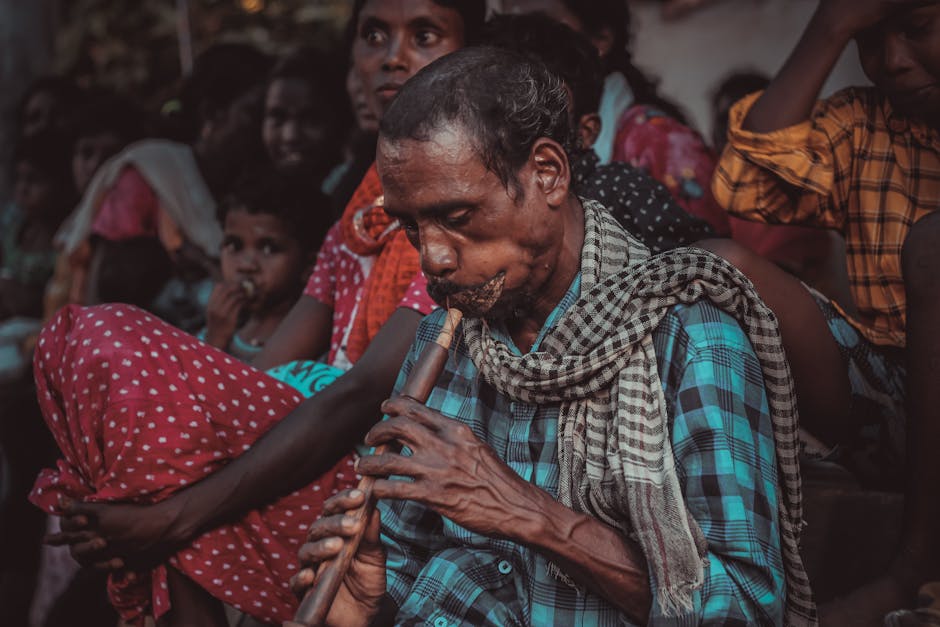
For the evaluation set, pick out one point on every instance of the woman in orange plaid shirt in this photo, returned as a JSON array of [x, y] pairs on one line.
[[865, 162]]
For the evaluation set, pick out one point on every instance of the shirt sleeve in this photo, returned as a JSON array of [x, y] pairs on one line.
[[416, 297], [322, 282], [725, 456], [676, 156], [795, 175]]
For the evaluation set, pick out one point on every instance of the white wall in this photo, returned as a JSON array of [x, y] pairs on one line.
[[693, 54]]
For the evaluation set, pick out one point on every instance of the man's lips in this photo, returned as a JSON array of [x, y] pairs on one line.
[[474, 301]]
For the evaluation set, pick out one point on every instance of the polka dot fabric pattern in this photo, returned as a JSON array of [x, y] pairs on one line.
[[339, 281], [140, 410]]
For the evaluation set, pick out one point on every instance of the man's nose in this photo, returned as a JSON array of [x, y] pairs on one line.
[[438, 259]]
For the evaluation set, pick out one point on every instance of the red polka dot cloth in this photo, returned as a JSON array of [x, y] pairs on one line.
[[139, 410], [338, 280]]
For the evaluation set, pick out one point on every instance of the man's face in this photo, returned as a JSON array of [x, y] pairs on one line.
[[396, 38], [901, 55], [481, 251]]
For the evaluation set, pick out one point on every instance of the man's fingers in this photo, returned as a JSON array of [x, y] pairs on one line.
[[74, 523], [404, 429], [342, 525], [399, 490], [88, 552], [111, 565], [343, 501], [302, 580], [313, 553], [68, 537], [389, 464], [419, 412]]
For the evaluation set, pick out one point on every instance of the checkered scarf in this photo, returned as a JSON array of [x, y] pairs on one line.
[[598, 363]]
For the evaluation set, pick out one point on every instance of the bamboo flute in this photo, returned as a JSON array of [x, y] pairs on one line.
[[427, 369]]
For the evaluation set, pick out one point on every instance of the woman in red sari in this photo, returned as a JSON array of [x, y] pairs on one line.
[[150, 417]]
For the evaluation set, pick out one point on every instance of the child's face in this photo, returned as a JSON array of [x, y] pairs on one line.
[[33, 191], [901, 56], [90, 152], [293, 129], [260, 249]]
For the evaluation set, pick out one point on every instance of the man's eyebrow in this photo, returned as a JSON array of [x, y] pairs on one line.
[[437, 209]]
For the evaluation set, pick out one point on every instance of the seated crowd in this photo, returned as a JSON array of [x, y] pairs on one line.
[[215, 311]]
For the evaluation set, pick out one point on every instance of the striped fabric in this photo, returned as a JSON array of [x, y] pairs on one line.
[[615, 458], [856, 167]]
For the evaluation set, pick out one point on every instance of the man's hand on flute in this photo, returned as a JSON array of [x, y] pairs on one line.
[[454, 473], [363, 587]]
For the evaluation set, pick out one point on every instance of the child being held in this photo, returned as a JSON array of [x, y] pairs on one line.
[[273, 225]]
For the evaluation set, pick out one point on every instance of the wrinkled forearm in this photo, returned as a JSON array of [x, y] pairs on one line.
[[591, 553]]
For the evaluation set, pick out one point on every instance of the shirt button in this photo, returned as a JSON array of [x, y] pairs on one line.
[[504, 567], [440, 621]]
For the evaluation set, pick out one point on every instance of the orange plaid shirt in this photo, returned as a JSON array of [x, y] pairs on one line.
[[854, 167]]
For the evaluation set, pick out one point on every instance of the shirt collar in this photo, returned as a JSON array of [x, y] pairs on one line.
[[920, 131], [569, 299]]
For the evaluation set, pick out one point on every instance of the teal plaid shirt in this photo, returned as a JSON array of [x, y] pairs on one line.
[[441, 574]]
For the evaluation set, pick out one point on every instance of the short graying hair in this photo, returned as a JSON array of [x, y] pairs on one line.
[[503, 100]]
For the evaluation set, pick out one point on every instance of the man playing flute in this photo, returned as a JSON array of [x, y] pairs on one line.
[[613, 440]]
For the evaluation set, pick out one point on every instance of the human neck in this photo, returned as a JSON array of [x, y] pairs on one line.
[[525, 330], [262, 324]]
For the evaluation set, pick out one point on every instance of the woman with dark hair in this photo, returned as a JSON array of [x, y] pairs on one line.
[[638, 125]]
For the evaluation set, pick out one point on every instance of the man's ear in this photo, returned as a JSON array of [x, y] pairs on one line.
[[589, 127], [552, 172], [603, 40]]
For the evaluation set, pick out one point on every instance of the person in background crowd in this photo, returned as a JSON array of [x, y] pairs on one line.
[[638, 125], [641, 205], [48, 104], [166, 190], [43, 194], [306, 114], [272, 225], [815, 256], [732, 88], [362, 305], [866, 162], [103, 126]]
